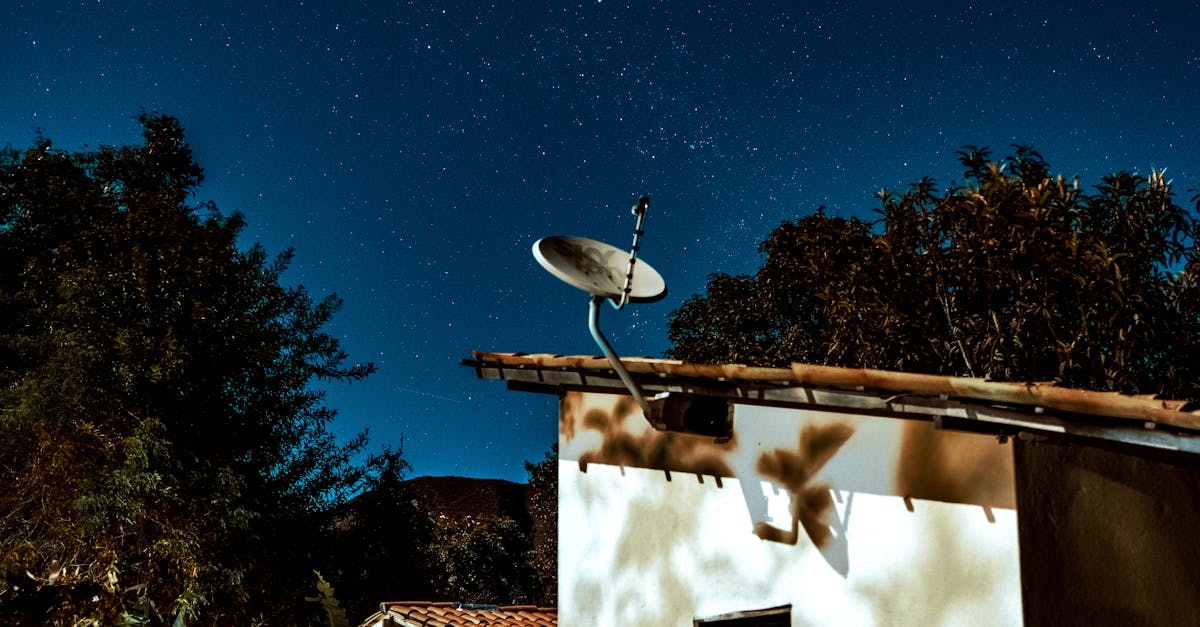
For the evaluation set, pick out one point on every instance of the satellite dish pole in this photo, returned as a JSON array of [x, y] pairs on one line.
[[639, 210]]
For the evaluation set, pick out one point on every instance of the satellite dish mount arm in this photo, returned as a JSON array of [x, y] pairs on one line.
[[613, 360], [639, 210]]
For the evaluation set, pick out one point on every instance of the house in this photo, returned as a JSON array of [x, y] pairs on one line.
[[424, 614], [820, 495]]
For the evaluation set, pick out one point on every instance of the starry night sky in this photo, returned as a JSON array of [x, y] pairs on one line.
[[412, 152]]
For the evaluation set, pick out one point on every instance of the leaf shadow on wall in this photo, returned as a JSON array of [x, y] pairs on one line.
[[620, 446], [811, 504]]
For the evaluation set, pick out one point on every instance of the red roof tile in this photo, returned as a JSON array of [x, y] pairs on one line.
[[426, 614]]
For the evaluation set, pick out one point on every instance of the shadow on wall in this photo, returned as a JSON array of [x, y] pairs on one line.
[[930, 464], [946, 579], [810, 504], [609, 429], [661, 560], [647, 552], [954, 467], [667, 562], [625, 442]]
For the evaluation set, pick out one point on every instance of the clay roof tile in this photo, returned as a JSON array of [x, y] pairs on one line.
[[427, 614]]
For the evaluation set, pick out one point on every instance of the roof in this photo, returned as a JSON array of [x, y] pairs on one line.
[[970, 404], [427, 614]]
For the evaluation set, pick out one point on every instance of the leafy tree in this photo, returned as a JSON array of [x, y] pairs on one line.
[[163, 451], [543, 510], [389, 542], [332, 612], [482, 559], [1013, 275], [379, 542]]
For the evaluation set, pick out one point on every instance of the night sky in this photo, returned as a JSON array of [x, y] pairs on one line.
[[412, 152]]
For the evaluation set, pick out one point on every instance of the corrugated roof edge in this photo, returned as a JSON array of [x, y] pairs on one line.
[[1176, 413]]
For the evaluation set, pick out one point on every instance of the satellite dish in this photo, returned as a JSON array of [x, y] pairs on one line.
[[598, 268], [605, 271]]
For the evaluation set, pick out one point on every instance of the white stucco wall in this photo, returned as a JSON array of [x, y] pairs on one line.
[[642, 546], [637, 549]]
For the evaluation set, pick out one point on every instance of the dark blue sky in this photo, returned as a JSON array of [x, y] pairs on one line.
[[412, 152]]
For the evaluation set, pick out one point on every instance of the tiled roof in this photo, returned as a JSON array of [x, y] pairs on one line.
[[426, 614]]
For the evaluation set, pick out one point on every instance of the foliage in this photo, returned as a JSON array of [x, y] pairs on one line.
[[389, 543], [543, 509], [163, 451], [331, 611], [1014, 275], [378, 542], [482, 560]]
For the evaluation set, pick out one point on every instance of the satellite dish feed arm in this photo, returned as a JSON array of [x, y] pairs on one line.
[[639, 210], [594, 326]]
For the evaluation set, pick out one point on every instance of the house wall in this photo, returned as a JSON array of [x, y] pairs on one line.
[[850, 519], [1107, 537]]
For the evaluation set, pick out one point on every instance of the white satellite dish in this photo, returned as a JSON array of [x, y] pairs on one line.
[[598, 268], [605, 271]]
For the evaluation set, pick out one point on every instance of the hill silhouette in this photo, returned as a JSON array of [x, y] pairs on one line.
[[457, 497]]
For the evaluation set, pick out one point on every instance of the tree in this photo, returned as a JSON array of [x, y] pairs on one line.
[[482, 559], [379, 542], [163, 448], [1014, 275], [543, 510], [409, 540]]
